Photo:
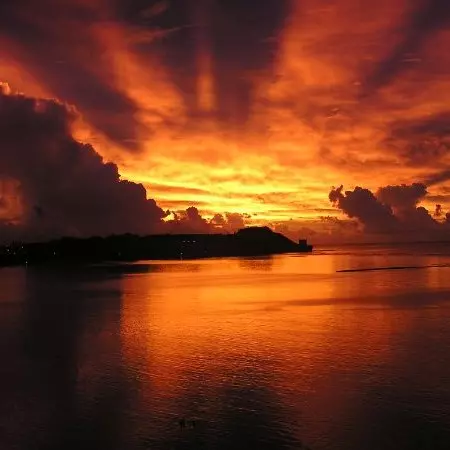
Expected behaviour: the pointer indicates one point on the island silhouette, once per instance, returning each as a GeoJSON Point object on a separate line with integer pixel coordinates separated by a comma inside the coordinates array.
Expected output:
{"type": "Point", "coordinates": [250, 241]}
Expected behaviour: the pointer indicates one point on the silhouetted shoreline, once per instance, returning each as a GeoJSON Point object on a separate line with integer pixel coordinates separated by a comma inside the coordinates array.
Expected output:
{"type": "Point", "coordinates": [251, 241]}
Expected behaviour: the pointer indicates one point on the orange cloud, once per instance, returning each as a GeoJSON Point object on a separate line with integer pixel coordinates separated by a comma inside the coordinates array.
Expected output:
{"type": "Point", "coordinates": [229, 109]}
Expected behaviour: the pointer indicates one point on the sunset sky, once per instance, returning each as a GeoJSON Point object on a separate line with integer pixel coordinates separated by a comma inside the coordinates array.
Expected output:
{"type": "Point", "coordinates": [255, 109]}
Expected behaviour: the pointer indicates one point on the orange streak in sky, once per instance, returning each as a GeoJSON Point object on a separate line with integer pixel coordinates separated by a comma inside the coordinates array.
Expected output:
{"type": "Point", "coordinates": [205, 80]}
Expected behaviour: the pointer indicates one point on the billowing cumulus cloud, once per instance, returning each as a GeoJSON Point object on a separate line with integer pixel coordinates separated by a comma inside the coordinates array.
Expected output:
{"type": "Point", "coordinates": [188, 221]}
{"type": "Point", "coordinates": [393, 210]}
{"type": "Point", "coordinates": [403, 197]}
{"type": "Point", "coordinates": [62, 185]}
{"type": "Point", "coordinates": [230, 222]}
{"type": "Point", "coordinates": [404, 200]}
{"type": "Point", "coordinates": [191, 221]}
{"type": "Point", "coordinates": [362, 204]}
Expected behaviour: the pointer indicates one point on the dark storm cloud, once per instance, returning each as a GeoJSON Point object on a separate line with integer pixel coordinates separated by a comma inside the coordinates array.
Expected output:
{"type": "Point", "coordinates": [404, 200]}
{"type": "Point", "coordinates": [65, 186]}
{"type": "Point", "coordinates": [392, 210]}
{"type": "Point", "coordinates": [427, 17]}
{"type": "Point", "coordinates": [402, 196]}
{"type": "Point", "coordinates": [362, 204]}
{"type": "Point", "coordinates": [55, 43]}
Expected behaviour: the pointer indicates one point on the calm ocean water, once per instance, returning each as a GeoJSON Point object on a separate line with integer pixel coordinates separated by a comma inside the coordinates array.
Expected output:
{"type": "Point", "coordinates": [262, 353]}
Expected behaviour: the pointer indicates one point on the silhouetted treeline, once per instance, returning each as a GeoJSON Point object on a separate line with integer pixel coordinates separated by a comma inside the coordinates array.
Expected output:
{"type": "Point", "coordinates": [252, 241]}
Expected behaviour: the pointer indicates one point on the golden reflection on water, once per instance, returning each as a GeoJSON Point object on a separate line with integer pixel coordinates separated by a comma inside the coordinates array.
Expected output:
{"type": "Point", "coordinates": [261, 352]}
{"type": "Point", "coordinates": [316, 342]}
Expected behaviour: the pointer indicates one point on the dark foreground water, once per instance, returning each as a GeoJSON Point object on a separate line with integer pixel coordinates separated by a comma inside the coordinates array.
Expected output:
{"type": "Point", "coordinates": [261, 353]}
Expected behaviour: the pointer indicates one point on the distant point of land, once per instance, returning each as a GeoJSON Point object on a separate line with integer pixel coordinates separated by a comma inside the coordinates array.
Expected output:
{"type": "Point", "coordinates": [251, 241]}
